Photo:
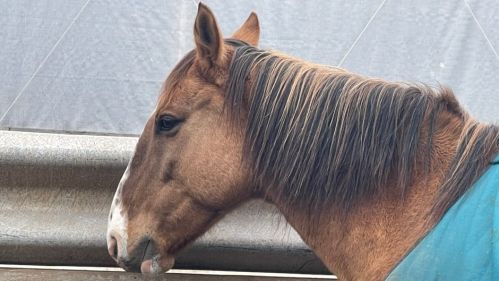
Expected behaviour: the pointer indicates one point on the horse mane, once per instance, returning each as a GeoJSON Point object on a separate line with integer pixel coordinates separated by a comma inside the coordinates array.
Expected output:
{"type": "Point", "coordinates": [317, 135]}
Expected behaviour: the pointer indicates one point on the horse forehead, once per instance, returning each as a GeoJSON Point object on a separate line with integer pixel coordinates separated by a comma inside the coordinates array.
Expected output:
{"type": "Point", "coordinates": [185, 95]}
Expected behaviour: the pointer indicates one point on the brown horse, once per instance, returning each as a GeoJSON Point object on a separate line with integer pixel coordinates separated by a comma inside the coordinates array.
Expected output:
{"type": "Point", "coordinates": [362, 168]}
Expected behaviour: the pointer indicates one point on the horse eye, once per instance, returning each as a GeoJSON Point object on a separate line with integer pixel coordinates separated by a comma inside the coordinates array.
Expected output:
{"type": "Point", "coordinates": [167, 123]}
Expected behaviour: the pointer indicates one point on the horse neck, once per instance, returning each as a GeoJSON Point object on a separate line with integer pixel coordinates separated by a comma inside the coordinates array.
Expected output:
{"type": "Point", "coordinates": [374, 236]}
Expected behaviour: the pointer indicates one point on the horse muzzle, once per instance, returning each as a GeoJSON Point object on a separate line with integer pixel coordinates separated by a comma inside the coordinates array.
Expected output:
{"type": "Point", "coordinates": [143, 258]}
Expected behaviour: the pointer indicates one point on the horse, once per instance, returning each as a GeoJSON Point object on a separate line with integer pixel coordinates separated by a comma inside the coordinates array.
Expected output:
{"type": "Point", "coordinates": [362, 168]}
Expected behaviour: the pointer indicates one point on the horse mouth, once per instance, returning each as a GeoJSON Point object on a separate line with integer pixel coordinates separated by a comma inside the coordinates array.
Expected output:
{"type": "Point", "coordinates": [153, 263]}
{"type": "Point", "coordinates": [145, 258]}
{"type": "Point", "coordinates": [148, 250]}
{"type": "Point", "coordinates": [156, 265]}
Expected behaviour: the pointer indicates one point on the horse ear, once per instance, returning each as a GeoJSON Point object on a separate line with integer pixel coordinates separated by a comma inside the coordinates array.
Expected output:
{"type": "Point", "coordinates": [207, 36]}
{"type": "Point", "coordinates": [249, 32]}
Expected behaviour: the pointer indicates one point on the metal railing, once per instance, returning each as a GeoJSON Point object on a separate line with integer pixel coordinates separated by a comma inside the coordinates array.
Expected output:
{"type": "Point", "coordinates": [55, 194]}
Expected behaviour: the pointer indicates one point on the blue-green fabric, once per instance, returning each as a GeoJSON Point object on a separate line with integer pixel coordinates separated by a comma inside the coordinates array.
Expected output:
{"type": "Point", "coordinates": [464, 245]}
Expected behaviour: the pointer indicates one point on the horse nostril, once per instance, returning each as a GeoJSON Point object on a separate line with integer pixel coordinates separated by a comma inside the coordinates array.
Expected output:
{"type": "Point", "coordinates": [113, 248]}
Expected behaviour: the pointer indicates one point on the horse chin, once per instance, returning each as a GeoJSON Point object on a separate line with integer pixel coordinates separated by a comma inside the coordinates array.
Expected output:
{"type": "Point", "coordinates": [157, 265]}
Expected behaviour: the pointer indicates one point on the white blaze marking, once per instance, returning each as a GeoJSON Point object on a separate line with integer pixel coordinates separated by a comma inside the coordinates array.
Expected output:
{"type": "Point", "coordinates": [117, 225]}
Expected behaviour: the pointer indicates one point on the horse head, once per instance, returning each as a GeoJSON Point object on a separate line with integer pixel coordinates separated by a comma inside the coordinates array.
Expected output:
{"type": "Point", "coordinates": [186, 172]}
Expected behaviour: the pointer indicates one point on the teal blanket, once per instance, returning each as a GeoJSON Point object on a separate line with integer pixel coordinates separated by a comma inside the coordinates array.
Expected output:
{"type": "Point", "coordinates": [464, 245]}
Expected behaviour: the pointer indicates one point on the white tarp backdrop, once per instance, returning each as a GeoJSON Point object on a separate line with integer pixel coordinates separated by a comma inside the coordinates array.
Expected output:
{"type": "Point", "coordinates": [97, 66]}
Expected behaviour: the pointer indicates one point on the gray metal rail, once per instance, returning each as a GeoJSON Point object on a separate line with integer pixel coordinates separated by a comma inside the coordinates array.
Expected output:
{"type": "Point", "coordinates": [55, 192]}
{"type": "Point", "coordinates": [16, 274]}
